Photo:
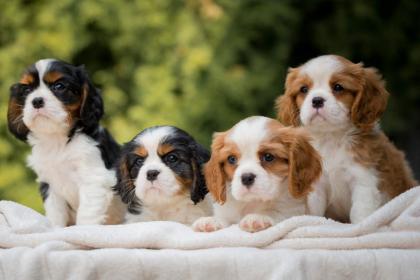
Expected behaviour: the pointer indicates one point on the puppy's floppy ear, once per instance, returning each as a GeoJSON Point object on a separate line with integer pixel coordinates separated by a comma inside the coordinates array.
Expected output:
{"type": "Point", "coordinates": [215, 177]}
{"type": "Point", "coordinates": [91, 109]}
{"type": "Point", "coordinates": [304, 163]}
{"type": "Point", "coordinates": [200, 155]}
{"type": "Point", "coordinates": [287, 109]}
{"type": "Point", "coordinates": [370, 101]}
{"type": "Point", "coordinates": [125, 183]}
{"type": "Point", "coordinates": [15, 113]}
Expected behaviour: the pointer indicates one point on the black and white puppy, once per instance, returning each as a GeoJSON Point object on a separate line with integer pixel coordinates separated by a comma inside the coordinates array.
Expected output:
{"type": "Point", "coordinates": [56, 109]}
{"type": "Point", "coordinates": [160, 176]}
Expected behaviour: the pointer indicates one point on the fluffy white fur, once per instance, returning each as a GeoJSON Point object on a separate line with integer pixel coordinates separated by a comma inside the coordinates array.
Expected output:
{"type": "Point", "coordinates": [264, 204]}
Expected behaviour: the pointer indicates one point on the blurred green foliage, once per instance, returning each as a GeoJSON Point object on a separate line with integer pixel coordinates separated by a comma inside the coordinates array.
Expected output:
{"type": "Point", "coordinates": [200, 64]}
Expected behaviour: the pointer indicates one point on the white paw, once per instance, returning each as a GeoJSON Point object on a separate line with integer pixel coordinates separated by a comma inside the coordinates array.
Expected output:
{"type": "Point", "coordinates": [255, 222]}
{"type": "Point", "coordinates": [207, 224]}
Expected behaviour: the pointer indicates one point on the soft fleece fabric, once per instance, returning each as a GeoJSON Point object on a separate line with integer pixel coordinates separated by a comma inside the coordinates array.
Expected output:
{"type": "Point", "coordinates": [386, 245]}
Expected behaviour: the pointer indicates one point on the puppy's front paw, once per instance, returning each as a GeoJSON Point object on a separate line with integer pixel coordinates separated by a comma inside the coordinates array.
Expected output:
{"type": "Point", "coordinates": [255, 222]}
{"type": "Point", "coordinates": [207, 224]}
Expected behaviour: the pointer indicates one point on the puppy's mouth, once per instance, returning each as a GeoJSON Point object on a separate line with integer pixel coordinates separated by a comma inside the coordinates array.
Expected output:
{"type": "Point", "coordinates": [318, 115]}
{"type": "Point", "coordinates": [153, 188]}
{"type": "Point", "coordinates": [252, 194]}
{"type": "Point", "coordinates": [40, 113]}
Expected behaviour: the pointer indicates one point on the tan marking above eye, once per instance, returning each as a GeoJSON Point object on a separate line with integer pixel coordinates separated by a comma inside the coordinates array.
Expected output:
{"type": "Point", "coordinates": [164, 149]}
{"type": "Point", "coordinates": [27, 79]}
{"type": "Point", "coordinates": [141, 151]}
{"type": "Point", "coordinates": [52, 76]}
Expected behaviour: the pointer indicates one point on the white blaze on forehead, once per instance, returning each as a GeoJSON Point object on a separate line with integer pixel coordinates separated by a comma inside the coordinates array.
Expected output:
{"type": "Point", "coordinates": [42, 66]}
{"type": "Point", "coordinates": [151, 138]}
{"type": "Point", "coordinates": [320, 68]}
{"type": "Point", "coordinates": [248, 134]}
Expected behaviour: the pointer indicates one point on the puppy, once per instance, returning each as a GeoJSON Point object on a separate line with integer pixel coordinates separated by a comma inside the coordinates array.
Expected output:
{"type": "Point", "coordinates": [340, 104]}
{"type": "Point", "coordinates": [160, 176]}
{"type": "Point", "coordinates": [56, 109]}
{"type": "Point", "coordinates": [259, 174]}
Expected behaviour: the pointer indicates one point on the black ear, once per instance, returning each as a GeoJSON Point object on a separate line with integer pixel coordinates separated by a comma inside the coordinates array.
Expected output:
{"type": "Point", "coordinates": [15, 113]}
{"type": "Point", "coordinates": [200, 155]}
{"type": "Point", "coordinates": [125, 184]}
{"type": "Point", "coordinates": [92, 108]}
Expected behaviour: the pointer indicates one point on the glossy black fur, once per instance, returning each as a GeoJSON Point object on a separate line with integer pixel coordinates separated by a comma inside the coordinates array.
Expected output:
{"type": "Point", "coordinates": [76, 81]}
{"type": "Point", "coordinates": [191, 158]}
{"type": "Point", "coordinates": [125, 187]}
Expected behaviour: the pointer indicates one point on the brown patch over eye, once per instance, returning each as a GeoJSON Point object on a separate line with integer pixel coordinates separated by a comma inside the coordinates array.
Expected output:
{"type": "Point", "coordinates": [164, 149]}
{"type": "Point", "coordinates": [27, 79]}
{"type": "Point", "coordinates": [349, 85]}
{"type": "Point", "coordinates": [279, 165]}
{"type": "Point", "coordinates": [230, 149]}
{"type": "Point", "coordinates": [300, 87]}
{"type": "Point", "coordinates": [52, 76]}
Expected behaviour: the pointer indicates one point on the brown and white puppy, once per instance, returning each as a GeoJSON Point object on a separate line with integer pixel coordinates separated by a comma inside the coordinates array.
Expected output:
{"type": "Point", "coordinates": [259, 174]}
{"type": "Point", "coordinates": [160, 176]}
{"type": "Point", "coordinates": [56, 109]}
{"type": "Point", "coordinates": [340, 104]}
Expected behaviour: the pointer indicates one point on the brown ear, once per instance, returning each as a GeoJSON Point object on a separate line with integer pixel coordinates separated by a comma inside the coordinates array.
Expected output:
{"type": "Point", "coordinates": [213, 170]}
{"type": "Point", "coordinates": [304, 165]}
{"type": "Point", "coordinates": [287, 109]}
{"type": "Point", "coordinates": [371, 101]}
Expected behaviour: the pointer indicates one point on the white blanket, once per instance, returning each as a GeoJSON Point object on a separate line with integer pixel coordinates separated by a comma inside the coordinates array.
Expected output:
{"type": "Point", "coordinates": [385, 245]}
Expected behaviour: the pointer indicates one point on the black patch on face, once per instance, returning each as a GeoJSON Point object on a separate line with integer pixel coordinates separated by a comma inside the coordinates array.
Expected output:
{"type": "Point", "coordinates": [191, 157]}
{"type": "Point", "coordinates": [44, 189]}
{"type": "Point", "coordinates": [68, 88]}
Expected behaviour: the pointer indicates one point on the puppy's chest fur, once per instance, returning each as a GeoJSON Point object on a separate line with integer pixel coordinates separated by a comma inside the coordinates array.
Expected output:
{"type": "Point", "coordinates": [341, 172]}
{"type": "Point", "coordinates": [68, 166]}
{"type": "Point", "coordinates": [279, 209]}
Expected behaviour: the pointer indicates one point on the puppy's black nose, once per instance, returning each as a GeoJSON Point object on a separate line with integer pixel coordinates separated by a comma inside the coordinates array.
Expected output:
{"type": "Point", "coordinates": [318, 102]}
{"type": "Point", "coordinates": [38, 102]}
{"type": "Point", "coordinates": [152, 175]}
{"type": "Point", "coordinates": [248, 179]}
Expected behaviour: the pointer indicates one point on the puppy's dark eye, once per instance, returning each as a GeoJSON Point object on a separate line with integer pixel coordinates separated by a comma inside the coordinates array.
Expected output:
{"type": "Point", "coordinates": [232, 159]}
{"type": "Point", "coordinates": [58, 86]}
{"type": "Point", "coordinates": [138, 161]}
{"type": "Point", "coordinates": [26, 89]}
{"type": "Point", "coordinates": [304, 89]}
{"type": "Point", "coordinates": [338, 88]}
{"type": "Point", "coordinates": [171, 158]}
{"type": "Point", "coordinates": [267, 157]}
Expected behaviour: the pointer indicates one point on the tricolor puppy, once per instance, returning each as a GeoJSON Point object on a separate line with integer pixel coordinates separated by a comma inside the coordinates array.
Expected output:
{"type": "Point", "coordinates": [56, 109]}
{"type": "Point", "coordinates": [160, 176]}
{"type": "Point", "coordinates": [259, 174]}
{"type": "Point", "coordinates": [340, 104]}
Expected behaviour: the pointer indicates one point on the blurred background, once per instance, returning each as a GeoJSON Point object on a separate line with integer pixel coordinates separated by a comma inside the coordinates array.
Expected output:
{"type": "Point", "coordinates": [203, 64]}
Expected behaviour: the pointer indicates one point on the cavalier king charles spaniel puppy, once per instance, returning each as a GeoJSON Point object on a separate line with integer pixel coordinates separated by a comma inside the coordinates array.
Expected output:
{"type": "Point", "coordinates": [56, 109]}
{"type": "Point", "coordinates": [340, 103]}
{"type": "Point", "coordinates": [259, 174]}
{"type": "Point", "coordinates": [160, 176]}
